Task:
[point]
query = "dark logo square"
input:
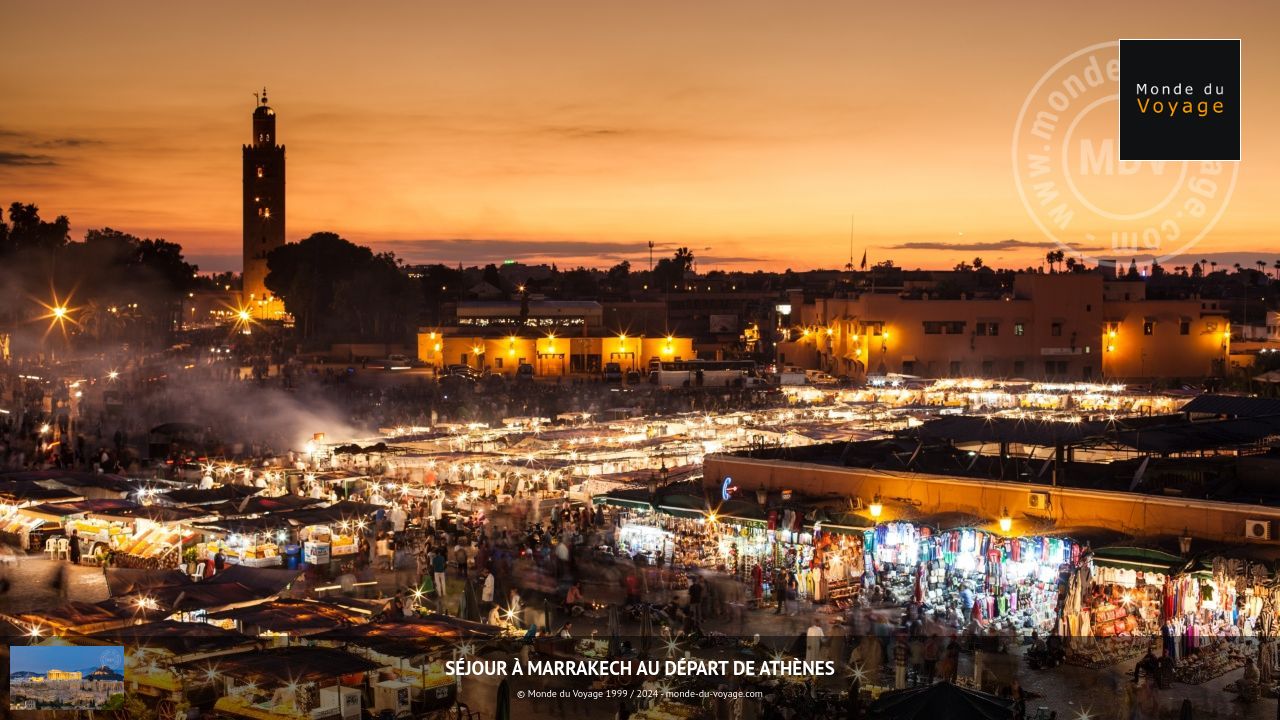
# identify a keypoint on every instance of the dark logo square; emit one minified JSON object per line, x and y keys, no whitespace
{"x":1180,"y":99}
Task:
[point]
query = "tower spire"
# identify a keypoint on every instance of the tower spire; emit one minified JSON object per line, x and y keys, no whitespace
{"x":264,"y":94}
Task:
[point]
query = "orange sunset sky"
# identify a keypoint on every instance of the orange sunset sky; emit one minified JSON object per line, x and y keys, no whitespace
{"x":577,"y":132}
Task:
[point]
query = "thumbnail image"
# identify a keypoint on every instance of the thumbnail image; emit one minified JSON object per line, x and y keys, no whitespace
{"x":65,"y":677}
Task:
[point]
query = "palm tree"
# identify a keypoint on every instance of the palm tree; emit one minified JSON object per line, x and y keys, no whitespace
{"x":1213,"y":266}
{"x":1262,"y":266}
{"x":1277,"y":267}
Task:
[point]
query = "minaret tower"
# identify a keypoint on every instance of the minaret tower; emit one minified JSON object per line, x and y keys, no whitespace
{"x":263,"y":210}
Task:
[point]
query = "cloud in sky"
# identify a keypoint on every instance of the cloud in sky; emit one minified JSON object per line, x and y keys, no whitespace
{"x":980,"y":245}
{"x":20,"y":159}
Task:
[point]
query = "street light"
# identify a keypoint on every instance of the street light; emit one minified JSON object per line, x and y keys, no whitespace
{"x":876,"y":507}
{"x":1006,"y":522}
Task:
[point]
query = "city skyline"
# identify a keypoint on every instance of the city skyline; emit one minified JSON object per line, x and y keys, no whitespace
{"x":43,"y":658}
{"x":576,"y":134}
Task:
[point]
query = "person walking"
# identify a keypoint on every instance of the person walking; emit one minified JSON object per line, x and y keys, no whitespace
{"x":439,"y":564}
{"x":73,"y":548}
{"x":486,"y":591}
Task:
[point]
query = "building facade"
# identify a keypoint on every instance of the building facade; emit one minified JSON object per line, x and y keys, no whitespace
{"x":1068,"y":327}
{"x":264,"y":210}
{"x":555,"y":337}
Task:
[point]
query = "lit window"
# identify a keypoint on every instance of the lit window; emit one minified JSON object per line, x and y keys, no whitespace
{"x":1019,"y":329}
{"x":1148,"y":328}
{"x":259,"y":171}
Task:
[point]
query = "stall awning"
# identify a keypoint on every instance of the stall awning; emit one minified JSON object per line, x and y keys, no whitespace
{"x":209,"y":496}
{"x":58,"y":511}
{"x":412,"y":637}
{"x":179,"y":638}
{"x":284,"y":665}
{"x":620,"y":501}
{"x":1141,"y":559}
{"x":296,"y":617}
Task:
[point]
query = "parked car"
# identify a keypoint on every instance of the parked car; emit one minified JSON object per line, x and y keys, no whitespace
{"x":524,"y":373}
{"x":463,"y":371}
{"x":612,"y":372}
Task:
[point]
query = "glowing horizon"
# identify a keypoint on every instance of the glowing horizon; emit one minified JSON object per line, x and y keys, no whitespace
{"x":577,"y":133}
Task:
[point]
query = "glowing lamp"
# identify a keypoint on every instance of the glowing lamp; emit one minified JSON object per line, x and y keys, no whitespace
{"x":1006,"y":522}
{"x":876,"y":507}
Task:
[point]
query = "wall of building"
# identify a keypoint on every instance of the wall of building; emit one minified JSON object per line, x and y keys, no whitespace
{"x":1163,"y":338}
{"x":912,"y":495}
{"x":549,"y":355}
{"x":1050,"y":326}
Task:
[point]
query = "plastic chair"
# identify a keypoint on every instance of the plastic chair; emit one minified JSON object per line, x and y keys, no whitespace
{"x":51,"y":547}
{"x":64,"y":548}
{"x":199,"y":573}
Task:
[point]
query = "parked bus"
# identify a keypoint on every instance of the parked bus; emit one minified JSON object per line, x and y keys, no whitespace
{"x":705,"y":373}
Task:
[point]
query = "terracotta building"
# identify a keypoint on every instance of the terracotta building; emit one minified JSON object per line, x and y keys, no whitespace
{"x":1069,"y":326}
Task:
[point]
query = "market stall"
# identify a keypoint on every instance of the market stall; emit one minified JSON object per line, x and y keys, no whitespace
{"x":287,"y":683}
{"x":968,"y":574}
{"x":1121,"y":601}
{"x":411,"y":653}
{"x":153,"y":652}
{"x":158,"y":535}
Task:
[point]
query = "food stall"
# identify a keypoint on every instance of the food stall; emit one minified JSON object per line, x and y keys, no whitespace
{"x":291,"y":683}
{"x":154,"y":651}
{"x":24,"y":531}
{"x":97,"y":533}
{"x":325,"y":543}
{"x":158,"y":534}
{"x":411,"y":653}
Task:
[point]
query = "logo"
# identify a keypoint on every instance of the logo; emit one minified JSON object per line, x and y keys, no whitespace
{"x":1180,"y":99}
{"x":1086,"y":200}
{"x":727,"y":488}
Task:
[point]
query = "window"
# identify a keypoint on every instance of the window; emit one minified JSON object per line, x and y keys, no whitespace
{"x":1088,"y":307}
{"x":988,"y":368}
{"x":1184,"y":327}
{"x":259,"y":171}
{"x":497,"y":362}
{"x":1019,"y":329}
{"x":987,"y":329}
{"x":1056,"y":329}
{"x":462,"y":359}
{"x":943,"y":327}
{"x":908,"y":367}
{"x":955,"y":368}
{"x":1019,"y":368}
{"x":1148,"y":328}
{"x":1087,"y":373}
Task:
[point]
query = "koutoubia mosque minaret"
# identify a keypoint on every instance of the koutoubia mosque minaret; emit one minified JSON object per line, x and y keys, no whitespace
{"x":263,"y":210}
